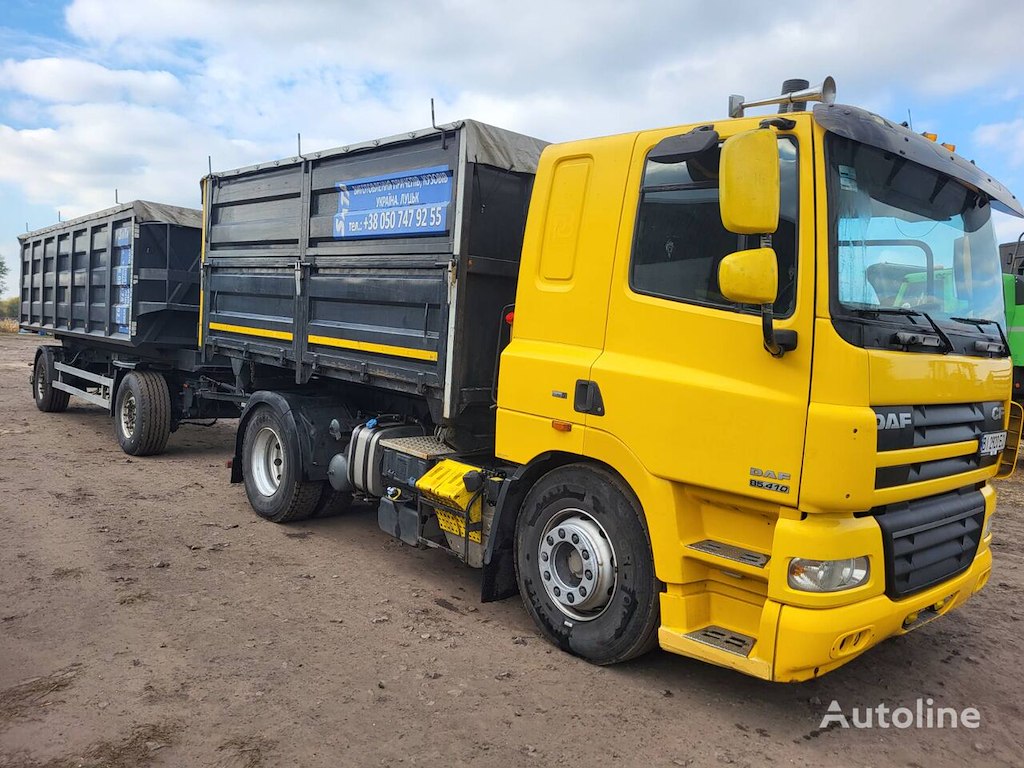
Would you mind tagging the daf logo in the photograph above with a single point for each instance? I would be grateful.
(997, 412)
(769, 473)
(893, 420)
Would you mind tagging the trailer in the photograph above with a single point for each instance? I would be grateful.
(119, 290)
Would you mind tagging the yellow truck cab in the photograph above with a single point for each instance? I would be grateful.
(810, 463)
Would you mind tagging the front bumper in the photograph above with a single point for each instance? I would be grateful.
(811, 642)
(792, 643)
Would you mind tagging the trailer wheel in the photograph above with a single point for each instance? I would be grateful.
(270, 456)
(584, 565)
(142, 413)
(48, 399)
(332, 502)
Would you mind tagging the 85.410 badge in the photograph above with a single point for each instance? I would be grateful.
(769, 480)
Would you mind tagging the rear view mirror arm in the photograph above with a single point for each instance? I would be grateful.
(777, 343)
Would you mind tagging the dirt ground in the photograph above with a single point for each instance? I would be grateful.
(147, 617)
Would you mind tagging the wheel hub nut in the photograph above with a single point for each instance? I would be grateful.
(577, 565)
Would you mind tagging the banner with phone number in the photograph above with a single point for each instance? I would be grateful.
(413, 202)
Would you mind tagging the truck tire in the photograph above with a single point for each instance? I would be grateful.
(272, 469)
(584, 565)
(332, 502)
(48, 399)
(142, 413)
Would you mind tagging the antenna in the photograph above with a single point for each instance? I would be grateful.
(209, 164)
(910, 120)
(298, 136)
(59, 219)
(115, 196)
(433, 122)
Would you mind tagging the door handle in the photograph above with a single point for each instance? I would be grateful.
(588, 398)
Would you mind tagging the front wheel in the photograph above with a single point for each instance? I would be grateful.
(584, 565)
(273, 475)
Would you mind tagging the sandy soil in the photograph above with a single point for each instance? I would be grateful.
(147, 617)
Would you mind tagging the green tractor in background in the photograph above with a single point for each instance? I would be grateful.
(1012, 255)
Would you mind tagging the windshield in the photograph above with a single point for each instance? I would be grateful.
(910, 240)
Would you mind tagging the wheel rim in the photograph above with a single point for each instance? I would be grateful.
(577, 564)
(129, 412)
(266, 464)
(40, 384)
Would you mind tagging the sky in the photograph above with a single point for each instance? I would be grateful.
(105, 95)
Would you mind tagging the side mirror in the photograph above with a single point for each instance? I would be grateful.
(752, 277)
(749, 182)
(749, 277)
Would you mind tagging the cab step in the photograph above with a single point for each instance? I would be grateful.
(723, 639)
(731, 552)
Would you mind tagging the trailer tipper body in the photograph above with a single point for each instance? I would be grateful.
(384, 265)
(119, 289)
(737, 388)
(126, 277)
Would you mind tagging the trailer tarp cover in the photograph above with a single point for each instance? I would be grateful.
(503, 149)
(142, 210)
(485, 145)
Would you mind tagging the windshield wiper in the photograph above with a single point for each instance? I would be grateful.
(979, 323)
(909, 339)
(938, 331)
(886, 311)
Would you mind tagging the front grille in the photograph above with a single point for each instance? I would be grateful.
(920, 426)
(889, 477)
(927, 541)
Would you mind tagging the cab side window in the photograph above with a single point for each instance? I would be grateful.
(680, 240)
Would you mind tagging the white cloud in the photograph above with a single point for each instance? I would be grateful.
(1008, 228)
(260, 67)
(140, 151)
(72, 81)
(1007, 137)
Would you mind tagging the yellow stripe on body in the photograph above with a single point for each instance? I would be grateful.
(381, 349)
(250, 331)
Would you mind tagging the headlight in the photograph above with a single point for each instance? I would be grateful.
(827, 575)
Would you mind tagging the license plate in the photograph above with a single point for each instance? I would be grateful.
(992, 443)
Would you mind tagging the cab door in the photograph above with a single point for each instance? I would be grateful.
(684, 377)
